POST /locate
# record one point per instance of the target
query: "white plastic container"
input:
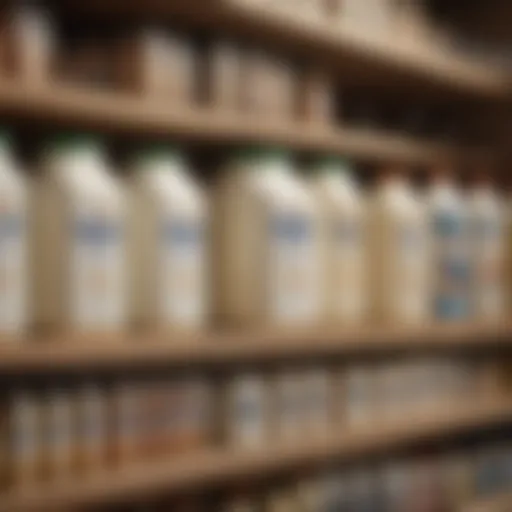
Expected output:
(450, 251)
(288, 410)
(316, 402)
(400, 253)
(343, 242)
(13, 245)
(267, 236)
(488, 245)
(167, 254)
(79, 231)
(246, 422)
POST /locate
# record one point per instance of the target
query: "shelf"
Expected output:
(221, 466)
(500, 503)
(353, 51)
(238, 347)
(125, 114)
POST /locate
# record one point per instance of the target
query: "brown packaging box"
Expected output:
(267, 86)
(220, 81)
(156, 65)
(4, 442)
(86, 63)
(25, 454)
(124, 423)
(316, 98)
(154, 415)
(91, 416)
(333, 8)
(26, 45)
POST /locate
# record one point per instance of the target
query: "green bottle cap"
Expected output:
(75, 140)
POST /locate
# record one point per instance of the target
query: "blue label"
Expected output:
(447, 225)
(10, 226)
(292, 229)
(451, 297)
(182, 233)
(97, 231)
(248, 410)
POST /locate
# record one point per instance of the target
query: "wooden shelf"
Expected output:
(500, 503)
(62, 354)
(125, 114)
(353, 51)
(221, 466)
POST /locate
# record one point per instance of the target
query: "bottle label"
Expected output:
(12, 266)
(97, 291)
(488, 270)
(452, 267)
(358, 394)
(246, 413)
(195, 408)
(290, 406)
(24, 430)
(316, 399)
(293, 279)
(92, 420)
(58, 431)
(128, 421)
(183, 284)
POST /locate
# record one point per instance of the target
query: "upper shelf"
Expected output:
(67, 353)
(128, 114)
(356, 52)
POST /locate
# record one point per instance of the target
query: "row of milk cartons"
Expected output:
(86, 251)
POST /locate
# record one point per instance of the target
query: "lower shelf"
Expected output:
(500, 503)
(220, 466)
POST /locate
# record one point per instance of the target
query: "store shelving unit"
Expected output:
(110, 112)
(425, 67)
(223, 466)
(231, 347)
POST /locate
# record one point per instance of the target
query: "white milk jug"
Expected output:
(167, 219)
(343, 242)
(488, 225)
(450, 251)
(400, 253)
(13, 245)
(80, 240)
(267, 243)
